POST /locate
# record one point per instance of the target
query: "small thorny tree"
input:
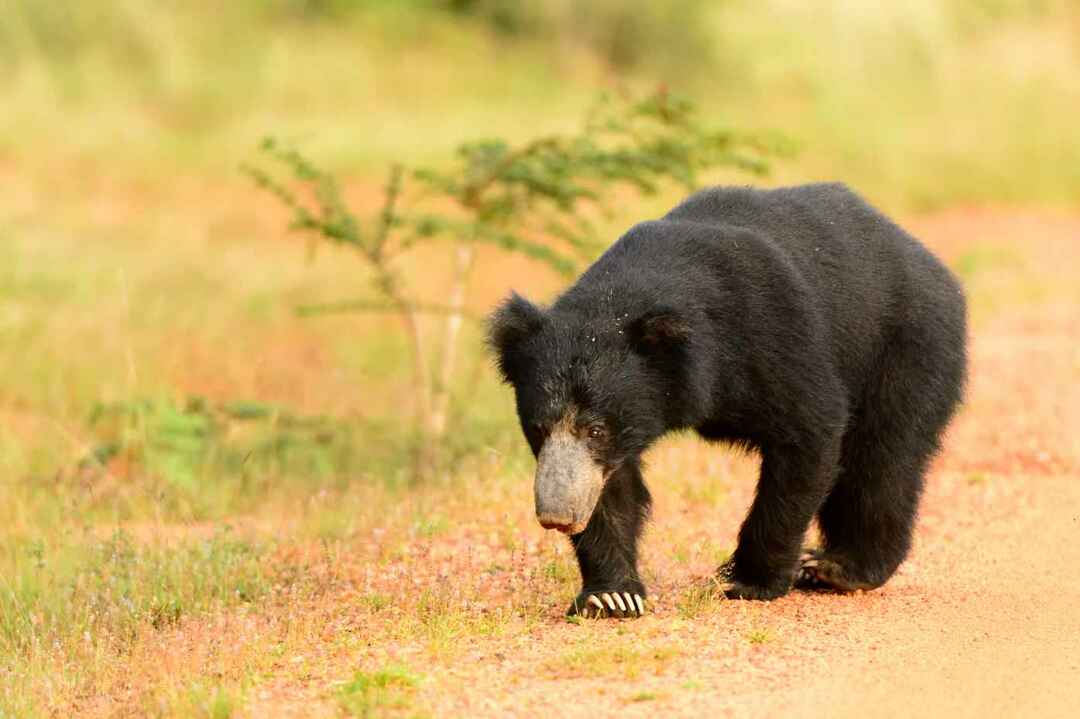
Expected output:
(540, 199)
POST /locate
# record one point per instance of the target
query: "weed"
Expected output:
(698, 599)
(376, 602)
(201, 701)
(560, 571)
(384, 692)
(622, 657)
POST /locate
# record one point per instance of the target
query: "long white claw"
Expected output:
(629, 601)
(619, 601)
(594, 602)
(810, 564)
(640, 604)
(608, 601)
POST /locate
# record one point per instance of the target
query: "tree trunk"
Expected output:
(440, 408)
(424, 460)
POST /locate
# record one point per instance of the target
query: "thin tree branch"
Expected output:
(463, 257)
(374, 306)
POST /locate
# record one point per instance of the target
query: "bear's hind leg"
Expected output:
(868, 517)
(607, 549)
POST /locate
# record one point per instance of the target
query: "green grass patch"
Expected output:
(386, 692)
(620, 657)
(698, 599)
(202, 700)
(760, 635)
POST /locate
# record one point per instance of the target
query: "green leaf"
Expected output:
(537, 251)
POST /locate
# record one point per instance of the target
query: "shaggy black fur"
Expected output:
(799, 322)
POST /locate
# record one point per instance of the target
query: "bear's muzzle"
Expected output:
(568, 483)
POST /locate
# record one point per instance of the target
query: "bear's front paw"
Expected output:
(598, 603)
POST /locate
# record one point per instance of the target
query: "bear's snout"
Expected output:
(559, 523)
(568, 484)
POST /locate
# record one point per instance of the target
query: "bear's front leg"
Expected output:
(793, 484)
(607, 550)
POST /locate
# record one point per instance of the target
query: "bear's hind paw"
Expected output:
(822, 573)
(724, 582)
(737, 590)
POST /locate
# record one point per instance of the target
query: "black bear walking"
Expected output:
(799, 322)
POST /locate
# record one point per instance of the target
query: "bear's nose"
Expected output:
(563, 524)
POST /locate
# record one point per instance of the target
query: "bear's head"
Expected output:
(593, 390)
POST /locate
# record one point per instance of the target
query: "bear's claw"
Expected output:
(598, 604)
(820, 572)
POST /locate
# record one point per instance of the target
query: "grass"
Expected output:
(760, 635)
(386, 692)
(107, 590)
(620, 657)
(206, 702)
(70, 602)
(697, 599)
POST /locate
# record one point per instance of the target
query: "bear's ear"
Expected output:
(515, 320)
(659, 329)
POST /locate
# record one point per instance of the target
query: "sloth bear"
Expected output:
(797, 322)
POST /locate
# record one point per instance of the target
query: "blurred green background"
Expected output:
(919, 104)
(146, 286)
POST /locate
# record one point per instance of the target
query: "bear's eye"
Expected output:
(597, 432)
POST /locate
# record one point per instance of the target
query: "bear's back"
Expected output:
(836, 240)
(796, 218)
(868, 277)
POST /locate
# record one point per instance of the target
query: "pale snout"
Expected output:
(568, 484)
